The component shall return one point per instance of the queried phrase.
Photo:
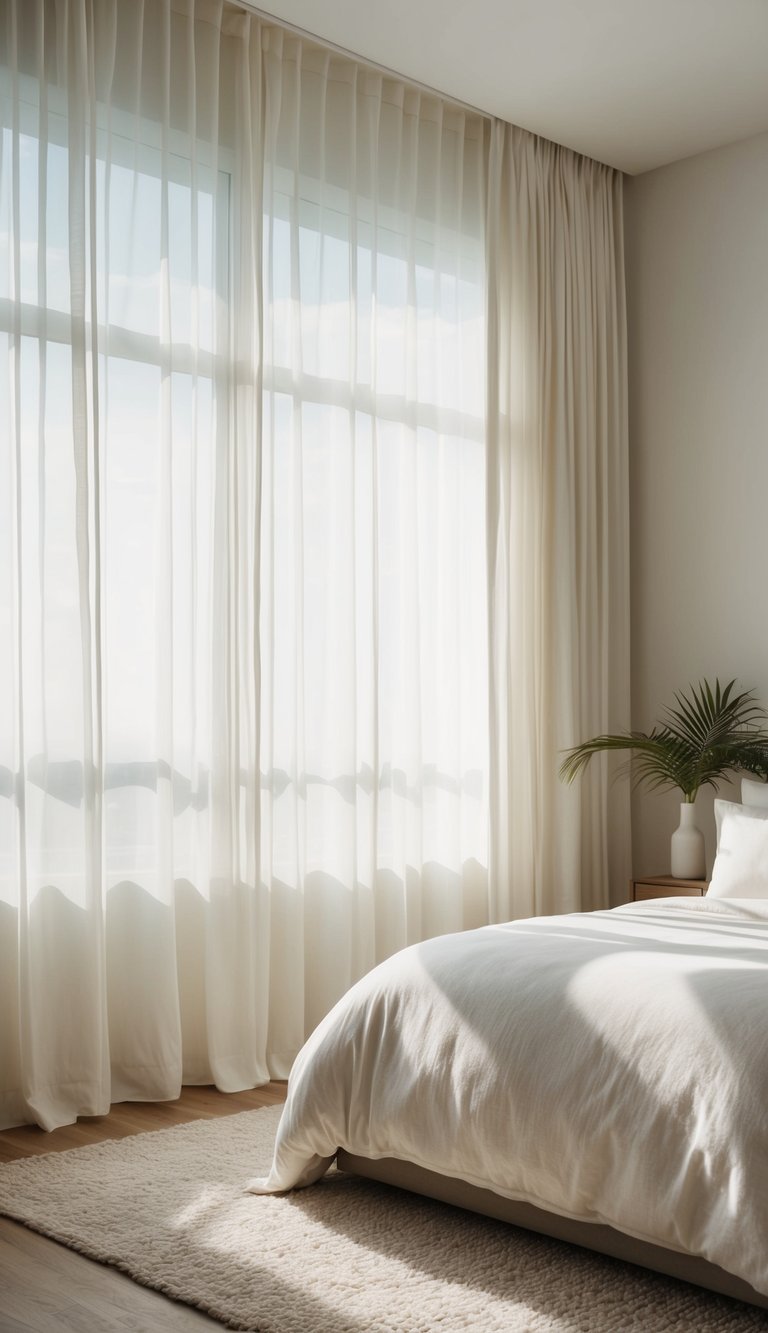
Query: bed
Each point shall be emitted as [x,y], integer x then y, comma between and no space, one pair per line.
[601,1077]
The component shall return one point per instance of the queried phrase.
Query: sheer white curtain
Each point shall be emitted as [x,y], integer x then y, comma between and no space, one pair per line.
[243,704]
[558,523]
[373,625]
[130,212]
[300,371]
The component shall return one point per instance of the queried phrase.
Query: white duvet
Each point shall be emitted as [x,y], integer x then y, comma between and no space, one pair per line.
[610,1066]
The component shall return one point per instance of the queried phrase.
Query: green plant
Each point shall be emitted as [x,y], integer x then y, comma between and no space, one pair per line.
[709,734]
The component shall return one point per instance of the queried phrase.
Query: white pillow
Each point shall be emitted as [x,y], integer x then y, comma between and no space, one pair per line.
[741,864]
[748,810]
[754,793]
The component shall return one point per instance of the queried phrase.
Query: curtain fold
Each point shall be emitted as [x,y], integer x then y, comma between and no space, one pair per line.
[373,632]
[313,524]
[243,666]
[132,953]
[558,523]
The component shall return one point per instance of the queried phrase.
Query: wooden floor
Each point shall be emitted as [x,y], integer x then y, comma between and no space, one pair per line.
[46,1288]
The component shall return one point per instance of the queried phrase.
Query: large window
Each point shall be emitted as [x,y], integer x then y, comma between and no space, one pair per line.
[373,619]
[243,698]
[115,366]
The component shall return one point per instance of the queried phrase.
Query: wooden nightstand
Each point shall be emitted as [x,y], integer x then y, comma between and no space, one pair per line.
[664,886]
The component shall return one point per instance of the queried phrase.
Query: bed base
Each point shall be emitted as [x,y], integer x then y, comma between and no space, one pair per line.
[591,1235]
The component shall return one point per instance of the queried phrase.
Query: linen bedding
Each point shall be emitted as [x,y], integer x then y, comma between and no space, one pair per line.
[609,1066]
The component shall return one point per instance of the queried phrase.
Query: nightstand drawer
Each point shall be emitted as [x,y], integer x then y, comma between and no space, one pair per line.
[664,886]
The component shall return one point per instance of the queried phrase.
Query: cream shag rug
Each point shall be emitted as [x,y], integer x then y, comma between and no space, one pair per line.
[345,1256]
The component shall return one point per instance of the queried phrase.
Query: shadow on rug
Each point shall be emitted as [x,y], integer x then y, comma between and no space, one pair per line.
[345,1256]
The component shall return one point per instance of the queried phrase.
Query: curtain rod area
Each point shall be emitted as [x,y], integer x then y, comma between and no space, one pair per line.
[360,60]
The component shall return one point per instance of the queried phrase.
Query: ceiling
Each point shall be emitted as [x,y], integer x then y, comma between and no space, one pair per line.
[634,83]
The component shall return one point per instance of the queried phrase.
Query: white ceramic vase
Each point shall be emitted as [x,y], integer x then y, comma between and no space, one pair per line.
[687,846]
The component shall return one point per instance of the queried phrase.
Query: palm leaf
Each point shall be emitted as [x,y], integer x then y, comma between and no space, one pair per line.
[709,719]
[706,736]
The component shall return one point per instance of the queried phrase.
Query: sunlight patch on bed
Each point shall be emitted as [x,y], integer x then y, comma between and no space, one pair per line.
[631,997]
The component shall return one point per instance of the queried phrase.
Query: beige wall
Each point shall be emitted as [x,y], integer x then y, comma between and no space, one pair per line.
[697,273]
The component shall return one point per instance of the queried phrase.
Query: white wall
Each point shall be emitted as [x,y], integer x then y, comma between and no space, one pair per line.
[697,274]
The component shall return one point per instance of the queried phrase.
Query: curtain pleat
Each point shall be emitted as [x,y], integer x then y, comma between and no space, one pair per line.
[312,538]
[374,697]
[133,954]
[558,526]
[242,706]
